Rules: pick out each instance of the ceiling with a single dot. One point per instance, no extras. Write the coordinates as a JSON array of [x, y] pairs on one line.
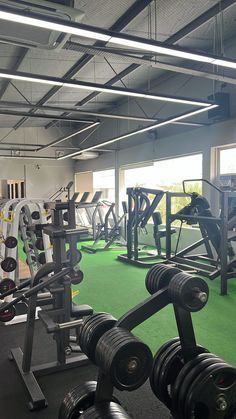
[[161, 20]]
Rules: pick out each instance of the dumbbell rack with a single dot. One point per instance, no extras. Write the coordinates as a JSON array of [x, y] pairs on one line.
[[62, 316]]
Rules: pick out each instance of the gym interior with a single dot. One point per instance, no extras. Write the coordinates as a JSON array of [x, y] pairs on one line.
[[117, 209]]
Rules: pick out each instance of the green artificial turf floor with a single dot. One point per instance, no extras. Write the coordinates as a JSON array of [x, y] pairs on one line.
[[115, 287]]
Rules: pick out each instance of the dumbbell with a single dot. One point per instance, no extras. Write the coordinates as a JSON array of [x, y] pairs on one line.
[[10, 242], [8, 264]]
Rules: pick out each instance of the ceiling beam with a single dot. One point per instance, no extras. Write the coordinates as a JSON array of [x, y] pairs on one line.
[[45, 116], [173, 39], [6, 104], [118, 26]]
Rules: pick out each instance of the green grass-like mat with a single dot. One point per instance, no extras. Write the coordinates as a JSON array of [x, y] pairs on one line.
[[115, 287]]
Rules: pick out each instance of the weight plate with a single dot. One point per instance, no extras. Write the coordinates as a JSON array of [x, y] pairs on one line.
[[9, 264], [170, 368], [93, 328], [77, 401], [124, 358], [159, 362], [165, 277], [105, 410], [6, 284], [203, 404], [190, 293], [152, 274], [190, 377], [157, 357], [76, 254], [77, 277], [11, 242], [8, 315], [181, 376], [35, 215]]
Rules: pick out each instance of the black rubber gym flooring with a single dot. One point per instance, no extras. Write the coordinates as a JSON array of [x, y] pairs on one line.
[[140, 403]]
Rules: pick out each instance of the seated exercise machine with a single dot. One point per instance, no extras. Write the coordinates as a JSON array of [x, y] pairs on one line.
[[185, 376], [142, 206], [59, 314], [109, 228], [218, 234]]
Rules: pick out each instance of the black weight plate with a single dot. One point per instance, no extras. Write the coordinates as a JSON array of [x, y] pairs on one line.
[[190, 377], [77, 401], [199, 386], [159, 362], [156, 270], [92, 330], [124, 358], [156, 360], [8, 315], [165, 277], [76, 253], [6, 284], [105, 410], [35, 215], [77, 277], [11, 242], [170, 369], [9, 264], [181, 376]]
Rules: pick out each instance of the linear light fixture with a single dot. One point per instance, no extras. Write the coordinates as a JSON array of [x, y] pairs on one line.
[[28, 157], [140, 131], [68, 136], [28, 77], [90, 32]]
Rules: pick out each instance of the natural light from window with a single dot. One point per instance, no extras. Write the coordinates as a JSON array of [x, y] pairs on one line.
[[105, 181], [228, 161]]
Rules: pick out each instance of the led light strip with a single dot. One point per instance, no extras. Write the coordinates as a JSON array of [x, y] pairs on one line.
[[139, 131], [28, 157], [90, 32], [69, 136], [98, 88]]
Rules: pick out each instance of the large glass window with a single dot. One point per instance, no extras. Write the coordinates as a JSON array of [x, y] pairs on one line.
[[105, 181], [165, 174], [228, 161], [170, 174]]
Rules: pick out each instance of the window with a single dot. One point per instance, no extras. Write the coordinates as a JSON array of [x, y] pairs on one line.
[[228, 160], [165, 174], [170, 173], [105, 181]]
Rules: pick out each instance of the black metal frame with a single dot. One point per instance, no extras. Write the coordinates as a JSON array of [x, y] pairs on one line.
[[57, 318], [136, 198], [210, 264], [109, 234], [138, 315]]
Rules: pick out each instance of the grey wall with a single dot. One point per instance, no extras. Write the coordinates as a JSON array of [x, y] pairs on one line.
[[40, 182]]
